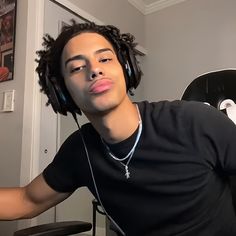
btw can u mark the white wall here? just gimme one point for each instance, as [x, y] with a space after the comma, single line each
[116, 12]
[185, 40]
[11, 123]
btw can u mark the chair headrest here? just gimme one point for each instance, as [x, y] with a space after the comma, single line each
[213, 88]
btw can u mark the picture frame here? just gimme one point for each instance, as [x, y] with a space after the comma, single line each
[7, 39]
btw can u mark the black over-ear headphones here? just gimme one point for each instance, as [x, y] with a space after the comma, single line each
[60, 98]
[130, 66]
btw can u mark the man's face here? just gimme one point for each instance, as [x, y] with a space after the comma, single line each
[92, 73]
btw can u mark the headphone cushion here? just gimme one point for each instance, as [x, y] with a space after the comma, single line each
[131, 68]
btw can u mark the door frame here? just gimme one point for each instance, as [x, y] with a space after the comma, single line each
[30, 152]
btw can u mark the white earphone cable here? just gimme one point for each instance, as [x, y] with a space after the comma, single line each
[93, 178]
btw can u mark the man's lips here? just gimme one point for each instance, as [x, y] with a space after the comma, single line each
[100, 86]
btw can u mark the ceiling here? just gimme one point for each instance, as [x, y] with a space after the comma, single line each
[150, 6]
[147, 2]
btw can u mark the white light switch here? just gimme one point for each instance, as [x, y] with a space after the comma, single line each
[8, 104]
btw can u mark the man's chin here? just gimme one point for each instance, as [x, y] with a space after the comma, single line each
[100, 110]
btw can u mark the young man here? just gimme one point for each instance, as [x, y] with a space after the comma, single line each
[156, 168]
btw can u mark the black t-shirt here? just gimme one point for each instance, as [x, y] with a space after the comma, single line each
[179, 172]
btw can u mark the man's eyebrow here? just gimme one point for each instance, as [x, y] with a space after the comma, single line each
[81, 57]
[104, 50]
[77, 57]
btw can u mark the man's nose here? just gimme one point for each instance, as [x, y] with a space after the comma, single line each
[95, 71]
[95, 74]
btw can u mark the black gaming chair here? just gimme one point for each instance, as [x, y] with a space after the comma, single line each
[56, 229]
[66, 227]
[213, 88]
[219, 90]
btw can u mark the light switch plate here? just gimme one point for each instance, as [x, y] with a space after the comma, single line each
[9, 98]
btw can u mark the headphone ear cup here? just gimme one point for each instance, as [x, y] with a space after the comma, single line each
[56, 96]
[60, 99]
[132, 69]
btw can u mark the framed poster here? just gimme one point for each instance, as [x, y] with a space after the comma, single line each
[7, 38]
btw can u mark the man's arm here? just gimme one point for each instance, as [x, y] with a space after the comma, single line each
[29, 201]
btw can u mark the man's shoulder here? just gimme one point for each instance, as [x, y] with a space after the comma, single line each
[88, 130]
[178, 111]
[76, 136]
[174, 106]
[85, 130]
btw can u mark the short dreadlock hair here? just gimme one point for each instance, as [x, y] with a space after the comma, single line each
[49, 59]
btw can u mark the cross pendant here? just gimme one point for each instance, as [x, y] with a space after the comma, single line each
[127, 173]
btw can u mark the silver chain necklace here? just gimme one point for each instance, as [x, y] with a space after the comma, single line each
[131, 152]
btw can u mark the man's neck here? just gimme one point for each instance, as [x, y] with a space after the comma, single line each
[118, 124]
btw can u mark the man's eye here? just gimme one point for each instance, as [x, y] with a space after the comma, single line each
[77, 69]
[105, 60]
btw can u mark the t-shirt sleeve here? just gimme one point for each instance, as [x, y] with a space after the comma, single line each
[212, 132]
[62, 174]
